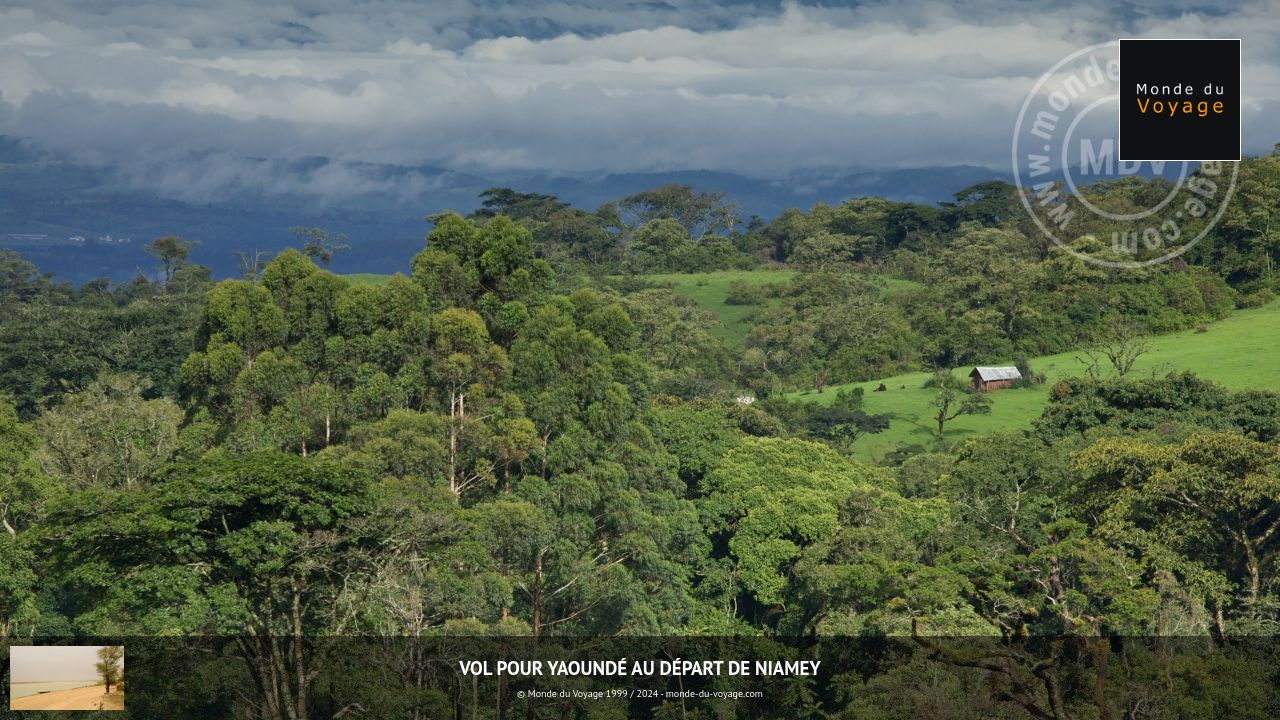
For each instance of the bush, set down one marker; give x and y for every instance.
(953, 381)
(1030, 378)
(1255, 299)
(743, 293)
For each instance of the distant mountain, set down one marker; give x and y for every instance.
(81, 222)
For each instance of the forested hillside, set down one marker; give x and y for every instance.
(535, 432)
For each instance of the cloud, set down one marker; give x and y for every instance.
(756, 88)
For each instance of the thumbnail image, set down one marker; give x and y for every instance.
(66, 677)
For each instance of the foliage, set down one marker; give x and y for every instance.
(499, 445)
(171, 251)
(951, 401)
(318, 244)
(108, 435)
(109, 665)
(58, 339)
(769, 498)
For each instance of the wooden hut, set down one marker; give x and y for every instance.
(986, 379)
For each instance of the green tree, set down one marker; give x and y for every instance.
(951, 401)
(52, 344)
(1038, 576)
(1174, 401)
(318, 244)
(673, 335)
(697, 212)
(19, 279)
(1210, 501)
(246, 314)
(517, 205)
(1246, 243)
(880, 572)
(825, 251)
(23, 493)
(18, 586)
(656, 244)
(266, 547)
(844, 421)
(22, 486)
(108, 435)
(987, 202)
(466, 363)
(769, 498)
(171, 251)
(464, 264)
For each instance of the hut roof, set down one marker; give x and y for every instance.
(996, 373)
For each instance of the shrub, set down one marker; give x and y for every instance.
(1255, 299)
(743, 293)
(1030, 378)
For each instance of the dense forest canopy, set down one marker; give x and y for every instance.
(526, 434)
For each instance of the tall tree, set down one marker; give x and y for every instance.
(23, 493)
(171, 251)
(110, 665)
(268, 548)
(698, 212)
(467, 365)
(318, 244)
(19, 279)
(108, 434)
(517, 205)
(770, 498)
(1213, 501)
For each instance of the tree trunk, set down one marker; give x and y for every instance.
(536, 599)
(300, 668)
(457, 412)
(1100, 648)
(1219, 633)
(1251, 567)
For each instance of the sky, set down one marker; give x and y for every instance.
(50, 663)
(758, 88)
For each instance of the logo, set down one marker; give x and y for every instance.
(1086, 200)
(1180, 99)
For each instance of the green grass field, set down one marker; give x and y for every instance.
(1238, 352)
(709, 290)
(369, 278)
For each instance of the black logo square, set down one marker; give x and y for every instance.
(1179, 99)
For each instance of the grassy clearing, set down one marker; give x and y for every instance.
(369, 278)
(1238, 352)
(709, 290)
